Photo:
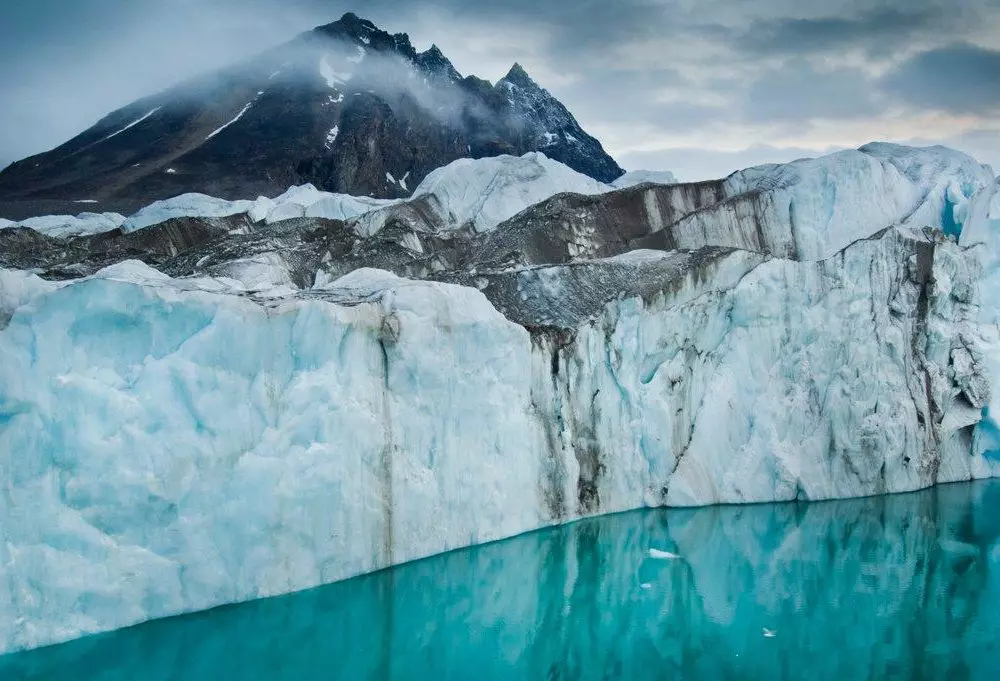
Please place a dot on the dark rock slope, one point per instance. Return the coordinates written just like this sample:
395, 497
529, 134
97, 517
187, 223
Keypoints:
347, 107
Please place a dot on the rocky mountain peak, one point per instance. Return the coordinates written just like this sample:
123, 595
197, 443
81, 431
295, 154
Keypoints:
519, 77
353, 28
347, 107
350, 26
433, 61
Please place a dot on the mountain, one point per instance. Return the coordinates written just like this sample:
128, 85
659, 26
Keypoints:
212, 409
346, 107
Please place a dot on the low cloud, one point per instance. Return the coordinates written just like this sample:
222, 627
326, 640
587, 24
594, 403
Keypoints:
959, 78
798, 91
706, 164
878, 31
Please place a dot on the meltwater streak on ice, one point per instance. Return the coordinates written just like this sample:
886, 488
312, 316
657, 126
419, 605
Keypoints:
894, 587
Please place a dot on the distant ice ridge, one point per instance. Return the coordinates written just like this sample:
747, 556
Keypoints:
479, 194
179, 448
812, 208
69, 225
297, 202
634, 177
485, 192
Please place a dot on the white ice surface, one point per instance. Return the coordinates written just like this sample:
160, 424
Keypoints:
812, 208
176, 444
634, 177
482, 193
300, 201
70, 225
173, 448
185, 205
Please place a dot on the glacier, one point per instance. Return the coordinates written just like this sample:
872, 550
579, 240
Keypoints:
69, 225
479, 193
174, 443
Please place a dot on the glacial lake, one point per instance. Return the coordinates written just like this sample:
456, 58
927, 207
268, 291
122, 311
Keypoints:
903, 587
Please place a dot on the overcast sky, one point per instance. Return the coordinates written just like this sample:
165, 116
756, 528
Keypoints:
700, 87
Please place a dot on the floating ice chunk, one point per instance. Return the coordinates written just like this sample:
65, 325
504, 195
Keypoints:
662, 555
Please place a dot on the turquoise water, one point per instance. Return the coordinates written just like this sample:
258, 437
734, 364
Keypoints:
902, 587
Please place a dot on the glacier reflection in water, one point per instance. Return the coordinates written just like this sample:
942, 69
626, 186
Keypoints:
898, 587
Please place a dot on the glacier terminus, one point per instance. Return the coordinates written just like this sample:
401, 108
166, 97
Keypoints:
242, 407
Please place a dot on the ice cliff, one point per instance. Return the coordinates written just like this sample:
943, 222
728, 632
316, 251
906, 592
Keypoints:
174, 438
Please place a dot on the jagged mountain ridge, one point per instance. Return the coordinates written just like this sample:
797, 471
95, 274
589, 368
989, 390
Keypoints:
347, 107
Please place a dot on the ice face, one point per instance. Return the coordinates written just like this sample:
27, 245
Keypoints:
485, 192
984, 236
175, 449
173, 444
810, 209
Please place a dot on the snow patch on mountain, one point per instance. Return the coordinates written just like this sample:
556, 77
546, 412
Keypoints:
132, 124
236, 118
333, 78
331, 136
